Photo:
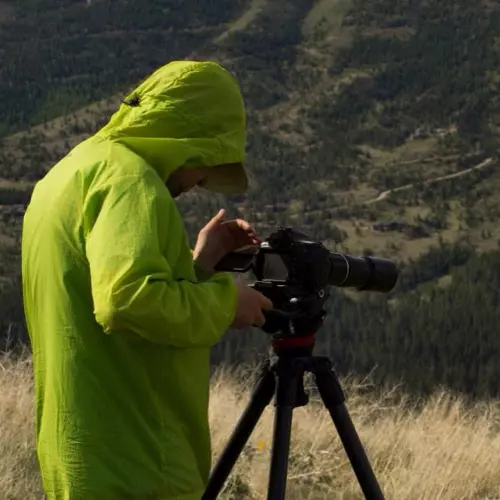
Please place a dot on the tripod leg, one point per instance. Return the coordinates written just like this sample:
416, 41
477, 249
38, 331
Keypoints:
288, 383
261, 397
333, 397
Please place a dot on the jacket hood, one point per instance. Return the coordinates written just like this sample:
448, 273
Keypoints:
186, 114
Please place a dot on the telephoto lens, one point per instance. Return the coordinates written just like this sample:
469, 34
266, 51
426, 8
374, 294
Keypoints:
365, 273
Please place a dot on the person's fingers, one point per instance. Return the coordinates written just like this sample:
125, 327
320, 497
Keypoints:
260, 319
243, 224
244, 241
266, 303
253, 233
253, 238
242, 232
240, 225
217, 219
220, 215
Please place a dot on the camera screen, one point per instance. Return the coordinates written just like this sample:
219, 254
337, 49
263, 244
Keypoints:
273, 267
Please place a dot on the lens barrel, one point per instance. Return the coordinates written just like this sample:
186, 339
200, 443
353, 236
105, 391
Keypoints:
363, 272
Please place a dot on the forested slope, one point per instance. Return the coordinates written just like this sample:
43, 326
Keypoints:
346, 100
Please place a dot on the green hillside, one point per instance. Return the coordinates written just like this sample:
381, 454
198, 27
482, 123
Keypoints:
377, 119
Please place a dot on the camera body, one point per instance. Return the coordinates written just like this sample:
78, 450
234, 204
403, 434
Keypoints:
296, 273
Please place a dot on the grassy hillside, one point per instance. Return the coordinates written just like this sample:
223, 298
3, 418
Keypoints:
377, 119
347, 99
445, 448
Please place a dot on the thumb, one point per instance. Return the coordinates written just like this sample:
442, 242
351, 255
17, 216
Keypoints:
216, 219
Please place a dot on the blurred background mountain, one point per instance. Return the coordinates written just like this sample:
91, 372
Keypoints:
373, 127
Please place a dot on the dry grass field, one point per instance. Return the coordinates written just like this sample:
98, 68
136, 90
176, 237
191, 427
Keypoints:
445, 449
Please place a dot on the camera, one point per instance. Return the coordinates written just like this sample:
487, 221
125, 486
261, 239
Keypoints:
296, 273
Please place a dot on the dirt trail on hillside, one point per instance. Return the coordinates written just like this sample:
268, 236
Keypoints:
244, 20
384, 194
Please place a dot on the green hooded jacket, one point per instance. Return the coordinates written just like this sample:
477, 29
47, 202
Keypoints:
120, 321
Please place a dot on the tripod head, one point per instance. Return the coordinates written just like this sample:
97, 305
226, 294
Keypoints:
296, 274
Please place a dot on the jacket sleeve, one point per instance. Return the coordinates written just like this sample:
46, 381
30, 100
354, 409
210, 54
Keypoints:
134, 288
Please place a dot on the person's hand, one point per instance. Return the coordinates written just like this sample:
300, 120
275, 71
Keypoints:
219, 237
251, 303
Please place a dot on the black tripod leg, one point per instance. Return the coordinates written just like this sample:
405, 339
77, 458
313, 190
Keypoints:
333, 397
288, 383
261, 397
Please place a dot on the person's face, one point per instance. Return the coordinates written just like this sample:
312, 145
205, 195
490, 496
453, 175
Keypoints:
185, 179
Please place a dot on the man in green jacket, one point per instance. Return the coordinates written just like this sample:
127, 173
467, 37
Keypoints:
120, 312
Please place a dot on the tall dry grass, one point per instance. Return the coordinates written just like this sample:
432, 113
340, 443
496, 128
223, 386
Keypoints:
445, 449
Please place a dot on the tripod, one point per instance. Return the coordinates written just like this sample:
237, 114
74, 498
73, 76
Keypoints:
282, 377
